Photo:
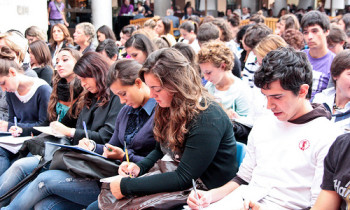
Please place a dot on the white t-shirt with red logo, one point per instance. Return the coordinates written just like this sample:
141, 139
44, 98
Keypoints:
286, 161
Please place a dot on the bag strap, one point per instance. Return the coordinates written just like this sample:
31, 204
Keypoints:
58, 8
25, 181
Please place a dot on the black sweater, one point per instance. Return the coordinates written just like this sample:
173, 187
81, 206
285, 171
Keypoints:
99, 121
209, 153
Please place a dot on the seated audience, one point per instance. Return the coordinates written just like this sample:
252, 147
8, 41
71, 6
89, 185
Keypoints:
189, 138
283, 166
123, 81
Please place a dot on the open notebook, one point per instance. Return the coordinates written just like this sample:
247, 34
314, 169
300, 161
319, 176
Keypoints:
13, 144
48, 130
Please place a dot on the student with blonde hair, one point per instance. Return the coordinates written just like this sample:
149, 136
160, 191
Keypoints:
83, 36
216, 61
267, 44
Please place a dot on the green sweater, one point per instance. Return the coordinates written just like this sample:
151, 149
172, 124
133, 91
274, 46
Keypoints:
209, 154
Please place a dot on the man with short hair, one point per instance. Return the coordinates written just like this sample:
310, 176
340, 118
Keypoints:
315, 26
283, 165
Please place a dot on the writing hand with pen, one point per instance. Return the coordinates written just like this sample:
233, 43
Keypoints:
112, 152
126, 169
86, 144
204, 199
59, 128
15, 131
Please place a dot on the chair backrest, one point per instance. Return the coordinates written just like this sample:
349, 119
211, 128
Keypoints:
139, 21
241, 149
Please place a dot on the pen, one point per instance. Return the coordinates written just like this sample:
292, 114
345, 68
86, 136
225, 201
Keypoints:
58, 118
109, 149
249, 208
86, 133
126, 154
195, 192
15, 120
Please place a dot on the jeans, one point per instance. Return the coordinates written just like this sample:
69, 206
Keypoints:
54, 22
58, 183
19, 170
54, 202
93, 206
6, 158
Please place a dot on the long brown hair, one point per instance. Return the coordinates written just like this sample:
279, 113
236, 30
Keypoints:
94, 65
66, 35
177, 76
41, 52
51, 109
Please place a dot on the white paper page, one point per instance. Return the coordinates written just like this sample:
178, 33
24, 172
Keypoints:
13, 144
48, 130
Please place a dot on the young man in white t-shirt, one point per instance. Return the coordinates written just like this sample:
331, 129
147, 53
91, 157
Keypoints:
283, 165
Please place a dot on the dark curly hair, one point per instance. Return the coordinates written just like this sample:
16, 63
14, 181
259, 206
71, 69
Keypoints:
294, 38
290, 67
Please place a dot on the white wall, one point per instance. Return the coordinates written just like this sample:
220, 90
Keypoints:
21, 14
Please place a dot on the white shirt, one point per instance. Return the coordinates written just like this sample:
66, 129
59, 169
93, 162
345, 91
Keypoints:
286, 160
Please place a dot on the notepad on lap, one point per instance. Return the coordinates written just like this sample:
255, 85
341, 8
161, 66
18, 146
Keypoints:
76, 148
13, 144
48, 130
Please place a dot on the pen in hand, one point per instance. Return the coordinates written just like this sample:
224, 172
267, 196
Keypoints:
127, 156
195, 192
15, 121
108, 148
85, 129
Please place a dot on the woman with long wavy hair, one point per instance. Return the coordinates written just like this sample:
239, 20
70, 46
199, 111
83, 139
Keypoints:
199, 135
60, 38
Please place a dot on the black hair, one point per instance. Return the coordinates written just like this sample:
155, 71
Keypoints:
190, 26
109, 46
141, 42
315, 18
290, 67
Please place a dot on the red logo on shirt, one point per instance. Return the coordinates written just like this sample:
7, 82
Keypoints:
304, 144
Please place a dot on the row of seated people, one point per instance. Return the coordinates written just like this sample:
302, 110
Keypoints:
291, 107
